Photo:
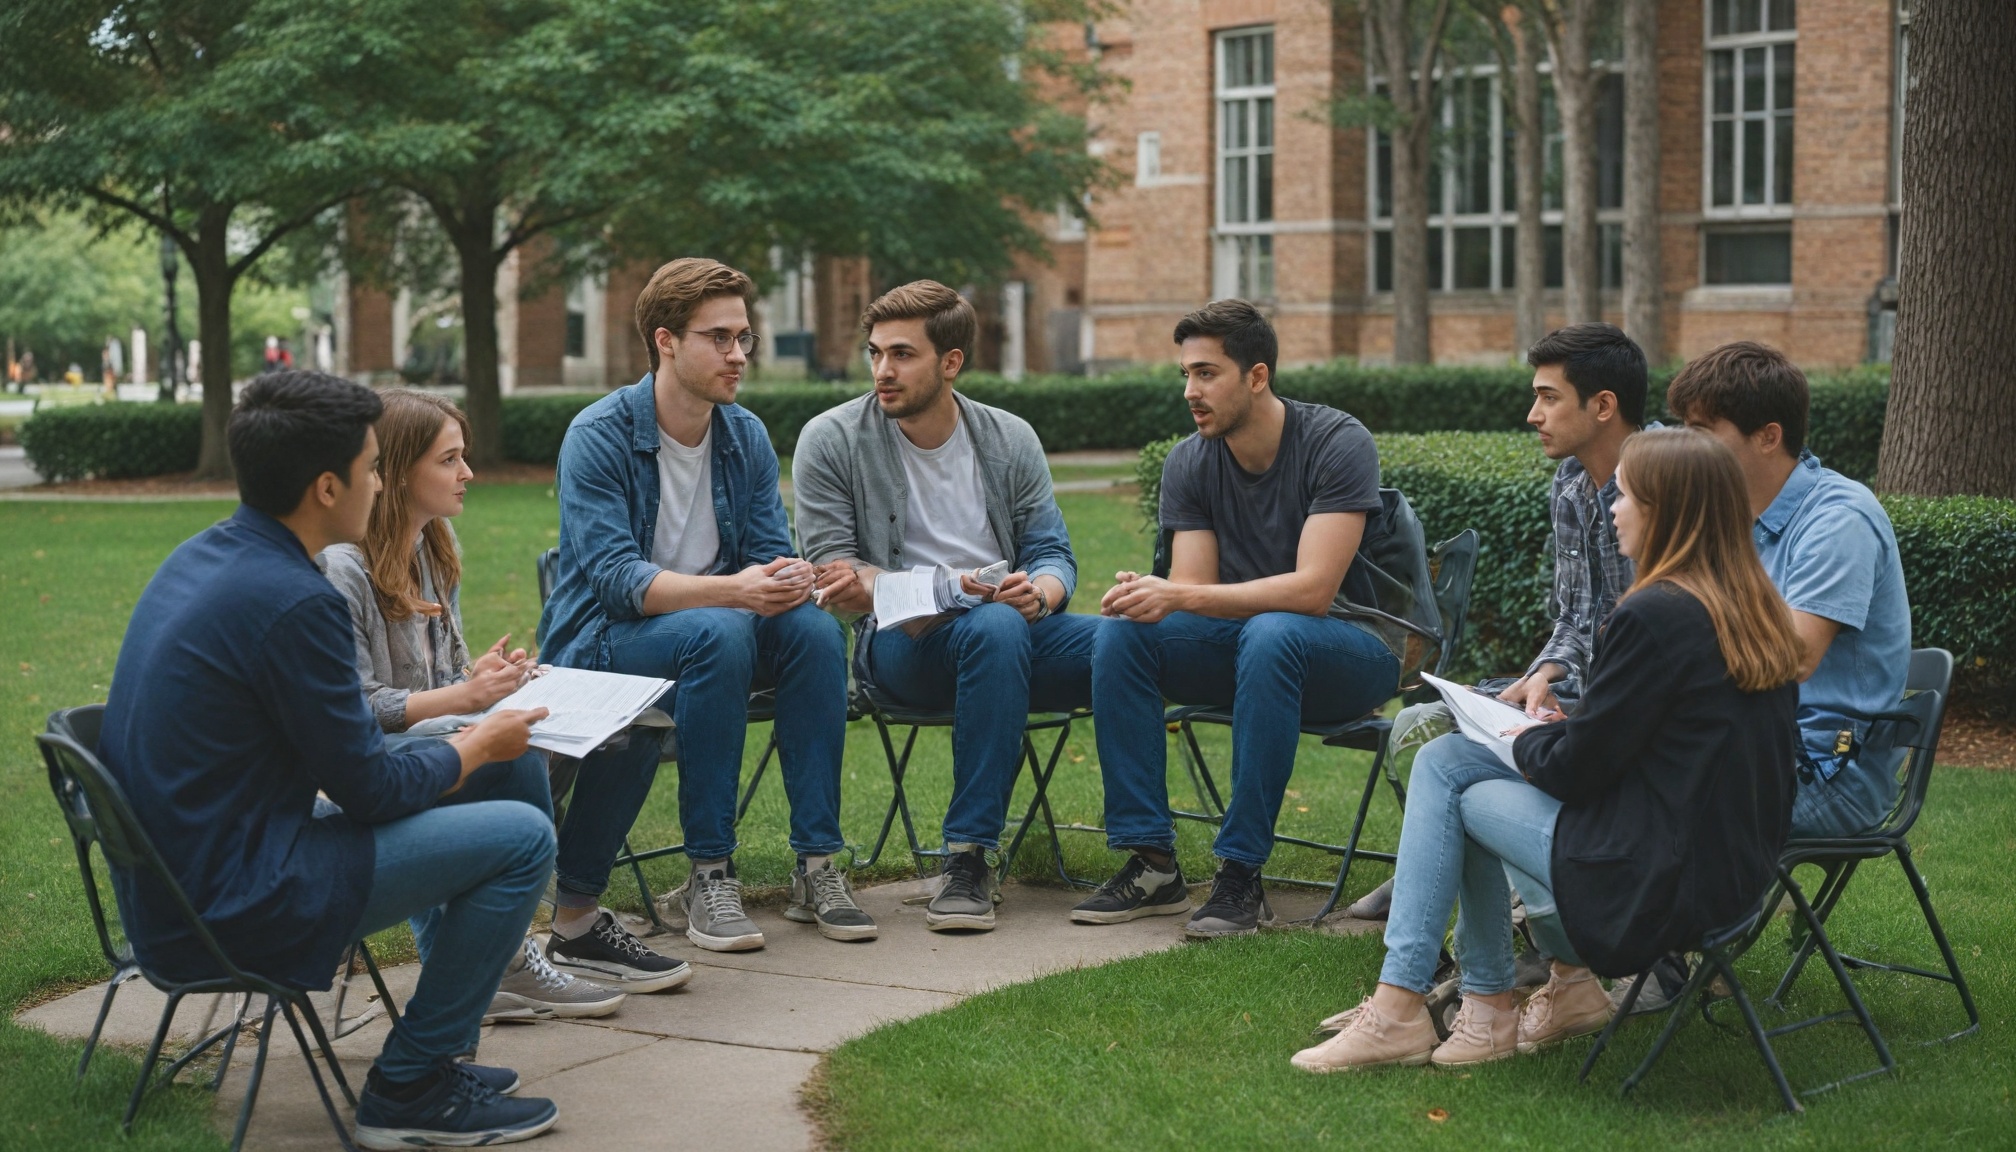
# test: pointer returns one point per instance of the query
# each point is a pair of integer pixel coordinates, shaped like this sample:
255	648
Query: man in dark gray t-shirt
1266	506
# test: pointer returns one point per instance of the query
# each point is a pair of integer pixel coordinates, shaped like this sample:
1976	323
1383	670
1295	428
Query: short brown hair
676	291
948	319
1247	336
1749	385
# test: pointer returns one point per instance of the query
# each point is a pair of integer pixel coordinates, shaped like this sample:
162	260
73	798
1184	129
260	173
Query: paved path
727	1052
14	469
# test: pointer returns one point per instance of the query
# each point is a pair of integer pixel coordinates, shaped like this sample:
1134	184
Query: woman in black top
1650	817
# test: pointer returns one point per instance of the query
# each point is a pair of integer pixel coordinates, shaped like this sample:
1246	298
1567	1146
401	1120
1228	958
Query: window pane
1550	255
1382	176
1235	190
1749	257
1720	9
1781	160
1435	259
1507	151
1382	261
1473	257
1725	82
1263	134
1228	111
1238	69
1610	251
1264	73
1781	16
1723	182
1263	186
1753	79
1256	267
1749	16
1753	161
1781	79
1610	141
1508	257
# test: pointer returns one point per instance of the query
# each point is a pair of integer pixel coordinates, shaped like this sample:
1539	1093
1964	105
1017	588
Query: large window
1748	170
1472	207
1243	241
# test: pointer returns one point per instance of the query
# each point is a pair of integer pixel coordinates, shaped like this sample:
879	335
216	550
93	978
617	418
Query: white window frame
1712	44
1242	250
1443	217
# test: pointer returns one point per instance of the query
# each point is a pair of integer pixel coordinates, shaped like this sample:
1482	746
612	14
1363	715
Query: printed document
584	708
1482	718
922	591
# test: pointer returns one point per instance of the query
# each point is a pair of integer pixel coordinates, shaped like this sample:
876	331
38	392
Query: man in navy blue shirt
236	700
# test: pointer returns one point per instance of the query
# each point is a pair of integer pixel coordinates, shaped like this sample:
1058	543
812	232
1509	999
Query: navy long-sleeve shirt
235	698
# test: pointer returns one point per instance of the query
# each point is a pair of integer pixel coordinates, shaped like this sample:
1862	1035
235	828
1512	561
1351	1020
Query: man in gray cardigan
916	475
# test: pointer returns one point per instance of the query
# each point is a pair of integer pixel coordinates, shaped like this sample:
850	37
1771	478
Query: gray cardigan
847	481
392	656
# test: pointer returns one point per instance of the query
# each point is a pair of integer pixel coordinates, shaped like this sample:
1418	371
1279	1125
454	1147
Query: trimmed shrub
113	441
1959	554
535	425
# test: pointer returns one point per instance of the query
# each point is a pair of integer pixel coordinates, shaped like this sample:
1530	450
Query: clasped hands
842	588
1142	599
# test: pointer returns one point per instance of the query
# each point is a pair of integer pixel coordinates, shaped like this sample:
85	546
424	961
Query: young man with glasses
676	561
915	474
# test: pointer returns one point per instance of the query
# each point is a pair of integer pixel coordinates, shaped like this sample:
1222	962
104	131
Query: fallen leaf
39	554
1113	1045
1294	795
1301	808
1077	759
1438	1115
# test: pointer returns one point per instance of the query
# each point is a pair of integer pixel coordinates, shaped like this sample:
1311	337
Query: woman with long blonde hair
403	584
1650	817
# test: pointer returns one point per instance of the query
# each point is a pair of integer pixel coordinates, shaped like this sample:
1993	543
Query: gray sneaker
532	989
712	900
966	898
823	896
1666	979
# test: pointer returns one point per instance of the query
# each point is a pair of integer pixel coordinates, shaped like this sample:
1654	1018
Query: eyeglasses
722	338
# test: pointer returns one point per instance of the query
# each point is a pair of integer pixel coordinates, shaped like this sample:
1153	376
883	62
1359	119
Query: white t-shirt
945	515
686	539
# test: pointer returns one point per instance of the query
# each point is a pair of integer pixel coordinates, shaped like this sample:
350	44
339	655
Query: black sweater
1676	787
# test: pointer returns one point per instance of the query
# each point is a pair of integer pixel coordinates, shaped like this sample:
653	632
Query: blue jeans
1277	671
523	780
990	668
717	655
1472	827
480	865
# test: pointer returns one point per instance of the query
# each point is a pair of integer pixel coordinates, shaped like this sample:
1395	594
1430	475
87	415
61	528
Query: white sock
571	923
814	863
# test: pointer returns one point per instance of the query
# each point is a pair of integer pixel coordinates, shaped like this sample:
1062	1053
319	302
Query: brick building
1779	134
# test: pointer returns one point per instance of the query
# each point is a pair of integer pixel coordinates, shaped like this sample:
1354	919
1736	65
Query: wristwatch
1042	605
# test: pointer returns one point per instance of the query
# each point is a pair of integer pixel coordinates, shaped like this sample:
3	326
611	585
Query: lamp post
171	341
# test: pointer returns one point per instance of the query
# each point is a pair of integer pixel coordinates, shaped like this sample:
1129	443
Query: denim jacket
608	486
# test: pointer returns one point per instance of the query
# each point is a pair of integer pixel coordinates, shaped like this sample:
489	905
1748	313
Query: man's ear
950	363
1259	377
1768	439
667	345
1605	403
323	492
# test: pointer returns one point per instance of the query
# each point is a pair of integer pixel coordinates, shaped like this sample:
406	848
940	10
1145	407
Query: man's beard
916	401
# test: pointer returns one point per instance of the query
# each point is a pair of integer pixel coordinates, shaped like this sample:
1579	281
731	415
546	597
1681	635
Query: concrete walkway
729	1052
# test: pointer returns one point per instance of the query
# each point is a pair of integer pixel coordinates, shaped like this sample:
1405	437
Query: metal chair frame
1455	566
97	812
1927	684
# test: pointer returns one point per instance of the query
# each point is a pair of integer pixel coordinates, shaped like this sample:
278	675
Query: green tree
911	131
180	114
64	288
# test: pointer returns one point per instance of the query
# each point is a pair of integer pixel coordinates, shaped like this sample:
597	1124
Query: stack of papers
584	709
1484	719
925	590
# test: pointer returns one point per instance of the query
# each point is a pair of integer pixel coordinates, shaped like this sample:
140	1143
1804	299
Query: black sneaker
503	1081
1138	889
1237	907
608	954
458	1111
966	899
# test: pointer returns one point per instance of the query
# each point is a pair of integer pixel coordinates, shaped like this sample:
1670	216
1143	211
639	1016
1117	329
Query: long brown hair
409	427
1696	511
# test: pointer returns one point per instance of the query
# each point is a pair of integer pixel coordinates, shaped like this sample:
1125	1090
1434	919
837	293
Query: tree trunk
210	265
1643	292
1568	35
1952	415
1529	160
475	239
1410	86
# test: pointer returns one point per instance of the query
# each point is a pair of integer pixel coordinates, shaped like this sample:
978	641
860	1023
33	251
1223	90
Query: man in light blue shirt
1829	548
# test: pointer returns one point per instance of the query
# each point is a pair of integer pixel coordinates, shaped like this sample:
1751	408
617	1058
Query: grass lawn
71	572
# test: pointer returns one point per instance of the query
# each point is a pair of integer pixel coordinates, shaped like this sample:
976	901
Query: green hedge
113	441
1959	553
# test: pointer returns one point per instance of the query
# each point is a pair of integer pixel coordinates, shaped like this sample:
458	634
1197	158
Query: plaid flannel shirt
1589	572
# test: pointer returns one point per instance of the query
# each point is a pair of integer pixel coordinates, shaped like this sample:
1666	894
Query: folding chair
1720	951
97	812
762	707
1454	562
1926	687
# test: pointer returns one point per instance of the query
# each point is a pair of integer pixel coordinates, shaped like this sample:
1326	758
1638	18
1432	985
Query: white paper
905	596
1482	718
585	709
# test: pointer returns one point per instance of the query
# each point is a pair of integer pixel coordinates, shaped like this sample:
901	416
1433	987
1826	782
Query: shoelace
467	1088
543	971
1125	883
966	877
1232	891
722	897
619	938
830	890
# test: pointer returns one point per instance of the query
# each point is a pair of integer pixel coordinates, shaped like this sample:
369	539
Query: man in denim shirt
1829	548
676	561
916	475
